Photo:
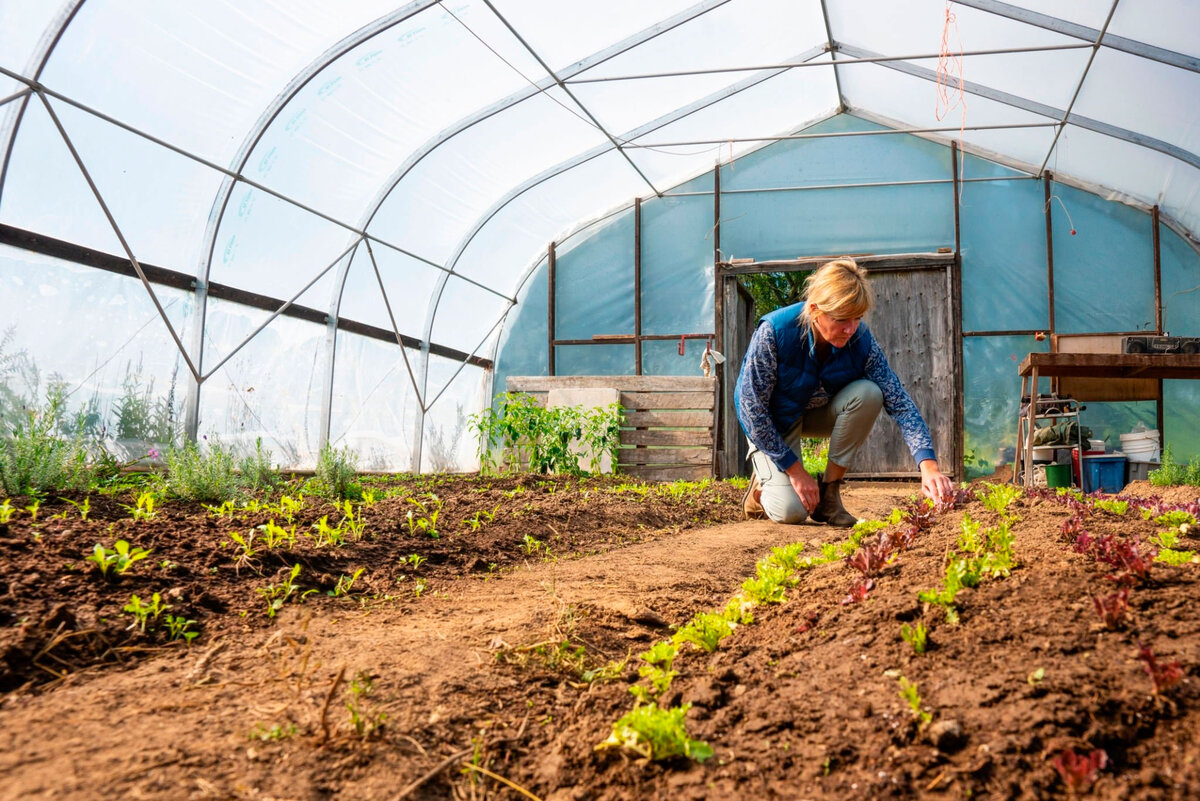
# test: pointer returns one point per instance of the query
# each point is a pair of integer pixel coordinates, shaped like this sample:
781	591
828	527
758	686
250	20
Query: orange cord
950	86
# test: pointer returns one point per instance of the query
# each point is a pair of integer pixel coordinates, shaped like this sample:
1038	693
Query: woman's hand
805	486
933	483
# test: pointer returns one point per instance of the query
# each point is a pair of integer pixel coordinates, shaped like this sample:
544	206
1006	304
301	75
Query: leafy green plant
208	476
1171	473
423	520
37	457
119	558
275	535
770	585
274	733
225	509
705	631
177	628
332	536
908	692
353	524
145	613
84	507
416	560
1175	518
480	518
656	734
363	722
1113	507
144	508
6	511
998	497
1172	557
419	587
517	431
531	545
289	507
255	470
915	636
33	509
246	544
344	584
337	472
276	595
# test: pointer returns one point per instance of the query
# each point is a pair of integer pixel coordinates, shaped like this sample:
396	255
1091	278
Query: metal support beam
831	43
551	285
839	134
637	286
1046	179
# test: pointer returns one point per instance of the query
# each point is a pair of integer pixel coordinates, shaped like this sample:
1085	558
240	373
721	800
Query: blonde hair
838	288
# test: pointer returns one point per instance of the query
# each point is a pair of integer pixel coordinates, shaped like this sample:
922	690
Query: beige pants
846	420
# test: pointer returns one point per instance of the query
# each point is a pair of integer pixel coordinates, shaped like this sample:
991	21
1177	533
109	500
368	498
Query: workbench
1090	365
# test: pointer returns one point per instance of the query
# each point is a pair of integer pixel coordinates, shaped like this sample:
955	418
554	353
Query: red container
1075	464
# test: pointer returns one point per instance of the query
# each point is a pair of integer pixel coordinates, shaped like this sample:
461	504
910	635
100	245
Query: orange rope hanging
950	91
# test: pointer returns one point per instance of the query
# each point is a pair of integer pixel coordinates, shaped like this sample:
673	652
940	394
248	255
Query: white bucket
1141	446
1096	445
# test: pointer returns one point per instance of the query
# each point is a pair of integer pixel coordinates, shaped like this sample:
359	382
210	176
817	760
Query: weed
656	734
915	636
177	628
145	613
120	557
908	692
344	584
1077	771
424	519
276	595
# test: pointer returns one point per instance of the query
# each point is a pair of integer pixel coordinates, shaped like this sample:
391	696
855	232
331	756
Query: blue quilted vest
799	372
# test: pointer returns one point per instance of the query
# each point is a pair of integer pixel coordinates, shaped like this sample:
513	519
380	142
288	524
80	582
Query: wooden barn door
913	321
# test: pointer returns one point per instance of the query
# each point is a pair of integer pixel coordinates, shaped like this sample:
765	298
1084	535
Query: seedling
859	591
120	558
419	587
705	631
416	560
327	534
769	587
274	535
1172	557
423	520
1077	771
6	511
144	509
656	734
344	584
368	497
365	724
177	628
1111	608
83	507
145	613
1117	508
1164	675
33	509
531	545
277	595
998	497
915	636
225	509
908	692
477	520
247	545
870	560
276	732
352	524
289	506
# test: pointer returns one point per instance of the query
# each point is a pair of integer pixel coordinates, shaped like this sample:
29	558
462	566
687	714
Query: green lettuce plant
656	734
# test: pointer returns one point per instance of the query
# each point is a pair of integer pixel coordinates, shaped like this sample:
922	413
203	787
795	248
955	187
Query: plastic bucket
1058	475
1141	446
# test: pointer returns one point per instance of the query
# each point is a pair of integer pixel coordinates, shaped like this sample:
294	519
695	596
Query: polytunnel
350	223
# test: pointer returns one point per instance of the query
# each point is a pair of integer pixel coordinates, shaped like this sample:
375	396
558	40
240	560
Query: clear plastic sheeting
448	444
271	389
374	411
407	282
126	378
24	25
677	271
586	305
1180	285
991	399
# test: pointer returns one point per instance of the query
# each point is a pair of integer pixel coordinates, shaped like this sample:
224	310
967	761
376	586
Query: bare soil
481	677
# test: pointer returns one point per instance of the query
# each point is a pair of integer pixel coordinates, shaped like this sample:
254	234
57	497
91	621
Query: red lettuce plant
1112	608
1164	675
859	592
1132	565
1078	771
870	559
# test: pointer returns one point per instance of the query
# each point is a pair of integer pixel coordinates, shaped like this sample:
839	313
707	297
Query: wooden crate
669	420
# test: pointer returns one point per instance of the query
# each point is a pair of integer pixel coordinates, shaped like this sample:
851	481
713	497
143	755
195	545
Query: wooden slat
677	473
668	400
664	456
874	263
669	419
625	383
667	438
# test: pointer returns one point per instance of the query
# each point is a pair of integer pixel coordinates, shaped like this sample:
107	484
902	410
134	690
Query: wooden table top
1113	365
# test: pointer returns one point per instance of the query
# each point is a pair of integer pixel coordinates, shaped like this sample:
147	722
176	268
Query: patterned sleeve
756	385
899	405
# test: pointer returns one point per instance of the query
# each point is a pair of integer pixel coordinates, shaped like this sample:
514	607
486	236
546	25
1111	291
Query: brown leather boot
829	509
751	507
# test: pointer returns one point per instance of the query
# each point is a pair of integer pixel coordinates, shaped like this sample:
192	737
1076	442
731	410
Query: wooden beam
667	400
624	383
665	456
669	419
875	263
660	437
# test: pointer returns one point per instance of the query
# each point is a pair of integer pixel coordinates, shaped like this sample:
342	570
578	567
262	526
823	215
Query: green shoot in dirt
531	545
477	520
145	613
1173	557
84	508
276	595
344	584
363	722
225	509
274	535
289	506
352	524
1117	508
33	509
770	585
656	734
274	733
332	536
915	636
119	558
177	628
998	497
908	692
416	560
144	508
1175	518
6	511
705	631
419	587
423	520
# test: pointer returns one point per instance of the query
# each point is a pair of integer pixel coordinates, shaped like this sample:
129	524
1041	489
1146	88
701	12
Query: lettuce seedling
915	636
859	591
1077	771
1164	675
656	734
1111	608
1112	507
908	692
769	587
1172	557
705	631
144	612
120	558
870	560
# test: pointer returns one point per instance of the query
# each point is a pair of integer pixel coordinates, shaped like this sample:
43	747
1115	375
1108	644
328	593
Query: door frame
725	274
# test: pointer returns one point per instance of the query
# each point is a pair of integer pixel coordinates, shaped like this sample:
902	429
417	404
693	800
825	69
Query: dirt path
181	724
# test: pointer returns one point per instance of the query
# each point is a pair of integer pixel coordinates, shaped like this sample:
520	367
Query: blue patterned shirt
760	375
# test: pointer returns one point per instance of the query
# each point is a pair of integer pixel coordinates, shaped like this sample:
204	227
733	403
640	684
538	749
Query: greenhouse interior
331	225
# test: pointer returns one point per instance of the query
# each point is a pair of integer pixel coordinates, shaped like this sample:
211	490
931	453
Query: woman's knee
863	395
789	511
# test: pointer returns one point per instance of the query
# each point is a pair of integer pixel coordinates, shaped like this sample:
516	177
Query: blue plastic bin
1103	473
